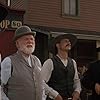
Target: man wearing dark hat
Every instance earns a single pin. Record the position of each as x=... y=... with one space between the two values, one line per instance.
x=60 y=72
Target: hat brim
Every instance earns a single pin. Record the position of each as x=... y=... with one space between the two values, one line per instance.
x=18 y=36
x=52 y=45
x=3 y=12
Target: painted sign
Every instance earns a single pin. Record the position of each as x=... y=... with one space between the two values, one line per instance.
x=5 y=24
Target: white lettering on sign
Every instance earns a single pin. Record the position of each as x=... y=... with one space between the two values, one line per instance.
x=4 y=24
x=13 y=24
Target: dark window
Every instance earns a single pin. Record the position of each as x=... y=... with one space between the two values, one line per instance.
x=8 y=3
x=70 y=7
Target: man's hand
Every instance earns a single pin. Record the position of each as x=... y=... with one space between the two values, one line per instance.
x=76 y=95
x=58 y=97
x=97 y=88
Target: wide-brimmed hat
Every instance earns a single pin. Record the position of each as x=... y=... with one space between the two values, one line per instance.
x=3 y=12
x=53 y=42
x=23 y=30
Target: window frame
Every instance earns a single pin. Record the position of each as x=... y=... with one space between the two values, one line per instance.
x=68 y=13
x=8 y=3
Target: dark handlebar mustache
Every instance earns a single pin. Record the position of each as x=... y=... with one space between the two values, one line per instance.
x=68 y=45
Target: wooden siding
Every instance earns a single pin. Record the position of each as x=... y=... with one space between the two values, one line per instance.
x=49 y=13
x=15 y=4
x=18 y=4
x=3 y=2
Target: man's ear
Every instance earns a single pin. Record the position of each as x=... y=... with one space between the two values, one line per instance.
x=16 y=42
x=57 y=45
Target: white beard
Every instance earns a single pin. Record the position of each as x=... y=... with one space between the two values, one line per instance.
x=27 y=50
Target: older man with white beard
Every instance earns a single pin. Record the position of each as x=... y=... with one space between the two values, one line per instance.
x=20 y=72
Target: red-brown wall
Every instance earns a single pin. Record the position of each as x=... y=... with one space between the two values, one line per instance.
x=7 y=46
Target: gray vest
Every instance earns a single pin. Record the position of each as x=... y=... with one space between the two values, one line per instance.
x=25 y=82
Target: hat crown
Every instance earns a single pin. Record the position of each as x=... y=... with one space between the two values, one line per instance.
x=22 y=30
